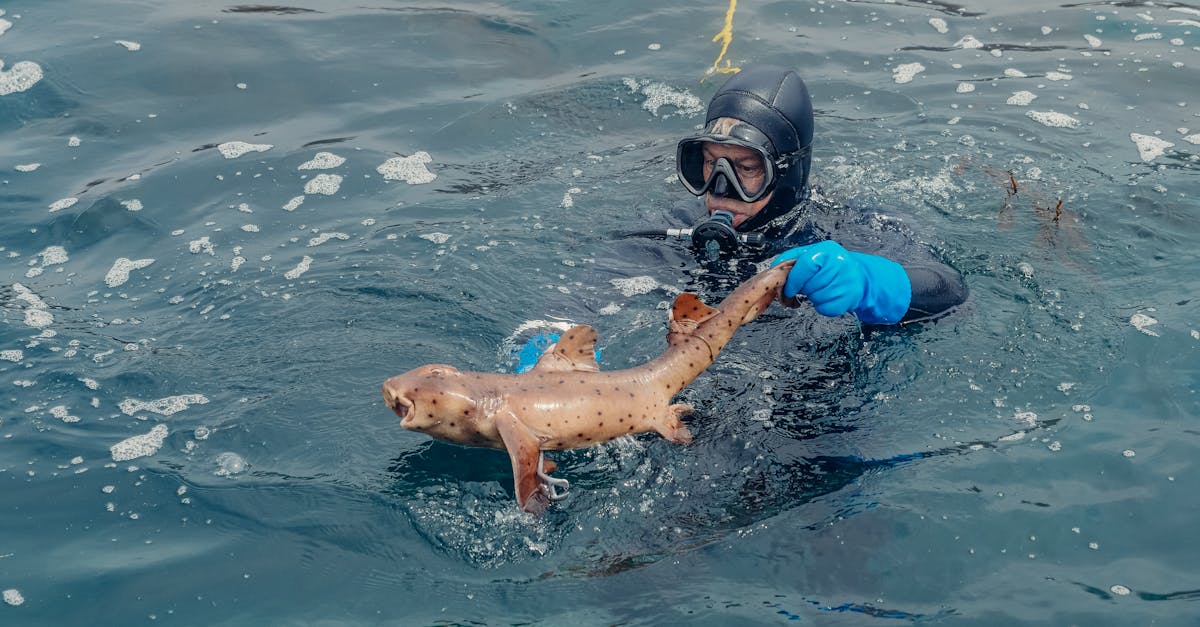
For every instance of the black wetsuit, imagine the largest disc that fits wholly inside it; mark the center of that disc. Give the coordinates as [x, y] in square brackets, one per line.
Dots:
[936, 287]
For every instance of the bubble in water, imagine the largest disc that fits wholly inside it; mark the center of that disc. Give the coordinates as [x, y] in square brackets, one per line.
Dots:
[12, 596]
[202, 432]
[1119, 590]
[230, 464]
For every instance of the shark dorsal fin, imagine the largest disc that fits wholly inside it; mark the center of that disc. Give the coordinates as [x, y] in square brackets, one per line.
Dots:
[575, 351]
[686, 314]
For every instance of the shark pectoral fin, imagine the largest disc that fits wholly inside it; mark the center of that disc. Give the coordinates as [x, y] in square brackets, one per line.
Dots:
[525, 453]
[575, 351]
[671, 427]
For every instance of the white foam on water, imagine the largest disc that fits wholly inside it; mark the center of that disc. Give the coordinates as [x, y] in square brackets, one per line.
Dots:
[119, 273]
[13, 597]
[939, 25]
[1192, 139]
[1142, 322]
[230, 464]
[22, 76]
[4, 25]
[1027, 417]
[38, 318]
[1021, 98]
[409, 169]
[1014, 73]
[1058, 76]
[1145, 36]
[36, 314]
[325, 237]
[27, 167]
[327, 184]
[906, 72]
[65, 203]
[132, 46]
[137, 446]
[1093, 41]
[236, 263]
[233, 150]
[1119, 590]
[53, 255]
[294, 203]
[14, 355]
[62, 413]
[660, 95]
[73, 142]
[91, 384]
[969, 43]
[1053, 119]
[322, 161]
[132, 205]
[436, 238]
[300, 269]
[633, 286]
[201, 245]
[1150, 147]
[965, 88]
[164, 406]
[250, 228]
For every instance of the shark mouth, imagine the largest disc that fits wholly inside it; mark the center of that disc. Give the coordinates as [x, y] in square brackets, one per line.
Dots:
[401, 405]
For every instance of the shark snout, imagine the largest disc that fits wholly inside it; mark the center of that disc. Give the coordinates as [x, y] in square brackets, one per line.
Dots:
[399, 404]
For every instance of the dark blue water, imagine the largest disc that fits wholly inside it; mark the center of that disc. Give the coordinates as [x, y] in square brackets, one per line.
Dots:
[193, 331]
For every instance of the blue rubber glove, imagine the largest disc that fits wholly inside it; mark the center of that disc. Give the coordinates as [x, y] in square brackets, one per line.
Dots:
[527, 355]
[837, 281]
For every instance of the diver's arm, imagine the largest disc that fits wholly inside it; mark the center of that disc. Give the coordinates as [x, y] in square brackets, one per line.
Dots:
[877, 290]
[936, 288]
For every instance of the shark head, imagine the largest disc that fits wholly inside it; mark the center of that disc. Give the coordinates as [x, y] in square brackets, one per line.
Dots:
[431, 399]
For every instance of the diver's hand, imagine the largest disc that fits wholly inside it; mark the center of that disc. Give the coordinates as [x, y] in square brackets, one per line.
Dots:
[837, 281]
[531, 351]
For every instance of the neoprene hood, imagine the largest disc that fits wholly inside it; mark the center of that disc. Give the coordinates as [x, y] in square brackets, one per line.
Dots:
[775, 101]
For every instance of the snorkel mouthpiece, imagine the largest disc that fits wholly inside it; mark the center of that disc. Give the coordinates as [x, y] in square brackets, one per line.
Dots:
[717, 235]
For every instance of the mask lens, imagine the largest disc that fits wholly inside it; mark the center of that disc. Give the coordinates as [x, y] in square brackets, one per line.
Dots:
[745, 170]
[689, 166]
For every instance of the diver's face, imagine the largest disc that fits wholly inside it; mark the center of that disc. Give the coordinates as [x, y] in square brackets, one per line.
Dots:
[751, 173]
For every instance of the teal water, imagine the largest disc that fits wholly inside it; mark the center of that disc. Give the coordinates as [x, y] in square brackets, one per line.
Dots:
[1028, 460]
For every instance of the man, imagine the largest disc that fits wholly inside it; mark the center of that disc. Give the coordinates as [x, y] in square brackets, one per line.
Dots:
[750, 166]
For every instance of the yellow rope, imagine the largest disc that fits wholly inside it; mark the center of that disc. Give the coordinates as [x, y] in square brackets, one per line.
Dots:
[725, 37]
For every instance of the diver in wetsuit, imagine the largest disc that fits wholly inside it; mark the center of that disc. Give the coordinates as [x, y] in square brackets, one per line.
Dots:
[751, 166]
[749, 170]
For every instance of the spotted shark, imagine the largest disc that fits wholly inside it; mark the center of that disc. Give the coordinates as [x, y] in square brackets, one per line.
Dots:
[566, 401]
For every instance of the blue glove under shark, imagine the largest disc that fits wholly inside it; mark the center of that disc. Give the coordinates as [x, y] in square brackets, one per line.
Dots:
[528, 354]
[532, 350]
[875, 289]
